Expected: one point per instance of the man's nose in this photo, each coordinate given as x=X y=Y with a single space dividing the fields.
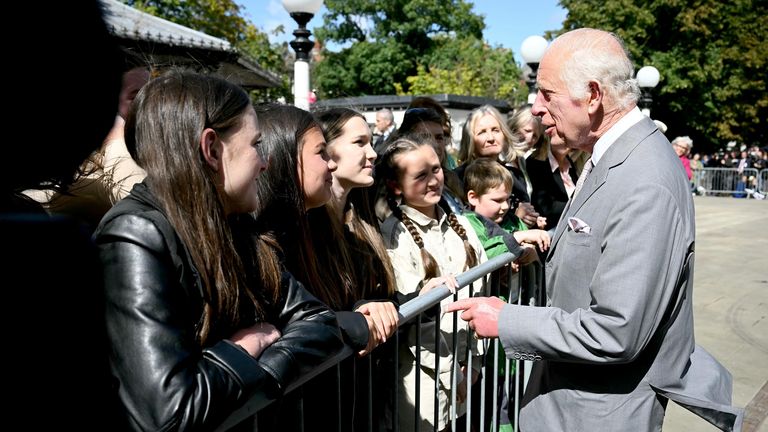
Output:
x=537 y=109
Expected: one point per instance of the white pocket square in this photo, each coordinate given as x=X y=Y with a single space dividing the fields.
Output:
x=578 y=225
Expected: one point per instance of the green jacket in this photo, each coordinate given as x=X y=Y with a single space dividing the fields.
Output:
x=496 y=239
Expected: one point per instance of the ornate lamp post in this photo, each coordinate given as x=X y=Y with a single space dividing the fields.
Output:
x=532 y=50
x=302 y=11
x=647 y=78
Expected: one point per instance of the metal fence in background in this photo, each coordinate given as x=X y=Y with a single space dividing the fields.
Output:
x=729 y=182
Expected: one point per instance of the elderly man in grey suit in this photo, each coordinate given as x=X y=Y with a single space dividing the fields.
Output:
x=616 y=340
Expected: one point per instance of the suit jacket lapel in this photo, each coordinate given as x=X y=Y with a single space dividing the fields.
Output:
x=615 y=156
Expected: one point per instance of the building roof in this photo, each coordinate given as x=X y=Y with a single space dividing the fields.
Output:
x=163 y=43
x=402 y=102
x=126 y=22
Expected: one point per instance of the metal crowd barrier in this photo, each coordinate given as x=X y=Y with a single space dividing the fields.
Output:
x=729 y=181
x=482 y=415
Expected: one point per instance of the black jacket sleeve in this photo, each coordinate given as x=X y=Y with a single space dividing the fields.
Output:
x=310 y=334
x=166 y=380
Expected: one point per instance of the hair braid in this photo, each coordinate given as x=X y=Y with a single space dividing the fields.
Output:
x=387 y=170
x=453 y=221
x=430 y=264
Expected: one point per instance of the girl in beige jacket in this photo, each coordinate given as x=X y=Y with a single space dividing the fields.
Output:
x=428 y=247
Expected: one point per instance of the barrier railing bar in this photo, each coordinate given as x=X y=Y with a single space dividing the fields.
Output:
x=408 y=311
x=414 y=307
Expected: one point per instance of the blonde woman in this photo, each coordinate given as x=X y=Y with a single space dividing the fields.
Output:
x=486 y=134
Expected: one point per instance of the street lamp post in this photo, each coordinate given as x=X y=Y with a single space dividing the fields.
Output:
x=301 y=11
x=532 y=50
x=647 y=78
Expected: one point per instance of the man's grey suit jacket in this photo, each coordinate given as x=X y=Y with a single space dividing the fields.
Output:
x=616 y=340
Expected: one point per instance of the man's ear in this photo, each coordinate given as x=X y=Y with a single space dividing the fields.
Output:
x=473 y=199
x=210 y=145
x=394 y=187
x=596 y=94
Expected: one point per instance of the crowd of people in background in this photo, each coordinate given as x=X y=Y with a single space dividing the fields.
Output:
x=232 y=247
x=736 y=174
x=749 y=157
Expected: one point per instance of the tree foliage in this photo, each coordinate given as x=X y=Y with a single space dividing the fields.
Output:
x=224 y=19
x=468 y=66
x=387 y=41
x=711 y=56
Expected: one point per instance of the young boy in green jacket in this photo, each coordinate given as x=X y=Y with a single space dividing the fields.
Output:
x=488 y=186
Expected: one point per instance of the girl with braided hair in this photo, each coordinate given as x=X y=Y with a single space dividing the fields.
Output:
x=427 y=247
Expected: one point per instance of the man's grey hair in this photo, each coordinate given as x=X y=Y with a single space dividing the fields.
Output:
x=601 y=56
x=387 y=114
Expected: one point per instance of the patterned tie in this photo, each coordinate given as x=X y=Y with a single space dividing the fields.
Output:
x=584 y=173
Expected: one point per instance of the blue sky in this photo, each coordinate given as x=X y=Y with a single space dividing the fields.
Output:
x=507 y=22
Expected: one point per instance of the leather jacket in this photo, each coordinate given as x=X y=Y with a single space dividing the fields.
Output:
x=154 y=302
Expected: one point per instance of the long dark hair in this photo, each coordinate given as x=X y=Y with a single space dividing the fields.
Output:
x=281 y=196
x=359 y=260
x=162 y=133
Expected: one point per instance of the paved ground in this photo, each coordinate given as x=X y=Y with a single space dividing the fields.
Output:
x=730 y=301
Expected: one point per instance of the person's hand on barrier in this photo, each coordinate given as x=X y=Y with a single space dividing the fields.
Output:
x=383 y=315
x=535 y=237
x=256 y=338
x=542 y=239
x=482 y=314
x=449 y=280
x=528 y=256
x=374 y=338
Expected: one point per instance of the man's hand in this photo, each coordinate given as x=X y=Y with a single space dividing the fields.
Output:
x=482 y=314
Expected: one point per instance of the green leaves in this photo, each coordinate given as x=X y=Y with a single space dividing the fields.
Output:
x=711 y=57
x=468 y=66
x=385 y=41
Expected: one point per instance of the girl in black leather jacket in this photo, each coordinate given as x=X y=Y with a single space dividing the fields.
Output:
x=198 y=319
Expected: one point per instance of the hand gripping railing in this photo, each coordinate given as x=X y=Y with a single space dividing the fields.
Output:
x=421 y=303
x=407 y=312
